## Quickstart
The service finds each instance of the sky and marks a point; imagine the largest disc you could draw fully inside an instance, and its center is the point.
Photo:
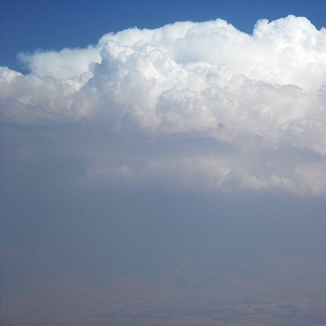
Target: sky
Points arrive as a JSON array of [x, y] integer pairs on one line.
[[164, 155], [48, 25]]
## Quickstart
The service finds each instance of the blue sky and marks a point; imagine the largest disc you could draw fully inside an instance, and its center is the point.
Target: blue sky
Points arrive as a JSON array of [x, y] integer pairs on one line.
[[27, 26], [163, 154]]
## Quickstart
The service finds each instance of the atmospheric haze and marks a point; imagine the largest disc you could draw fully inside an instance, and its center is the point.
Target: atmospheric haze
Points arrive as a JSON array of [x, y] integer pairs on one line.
[[174, 176]]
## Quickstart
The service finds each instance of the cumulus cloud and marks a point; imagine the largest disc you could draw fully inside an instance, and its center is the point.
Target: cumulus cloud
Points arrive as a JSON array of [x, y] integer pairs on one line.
[[255, 103]]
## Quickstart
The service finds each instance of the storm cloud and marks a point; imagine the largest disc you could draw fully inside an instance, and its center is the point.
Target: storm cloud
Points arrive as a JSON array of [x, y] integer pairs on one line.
[[188, 106]]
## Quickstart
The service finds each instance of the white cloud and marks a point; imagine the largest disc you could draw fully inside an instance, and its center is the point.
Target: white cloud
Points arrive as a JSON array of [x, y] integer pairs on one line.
[[67, 63], [261, 93]]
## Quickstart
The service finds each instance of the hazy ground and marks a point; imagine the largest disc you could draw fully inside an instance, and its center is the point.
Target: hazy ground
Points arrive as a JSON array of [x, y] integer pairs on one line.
[[268, 291], [163, 260]]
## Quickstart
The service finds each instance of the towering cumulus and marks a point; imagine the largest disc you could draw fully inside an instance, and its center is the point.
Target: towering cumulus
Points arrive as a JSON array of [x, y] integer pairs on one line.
[[196, 105]]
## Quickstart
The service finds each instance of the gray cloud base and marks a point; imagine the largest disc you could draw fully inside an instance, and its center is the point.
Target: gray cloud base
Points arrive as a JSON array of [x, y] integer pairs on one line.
[[189, 106]]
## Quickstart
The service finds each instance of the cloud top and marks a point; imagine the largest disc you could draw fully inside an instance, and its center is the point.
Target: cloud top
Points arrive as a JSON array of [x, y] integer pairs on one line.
[[256, 103]]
